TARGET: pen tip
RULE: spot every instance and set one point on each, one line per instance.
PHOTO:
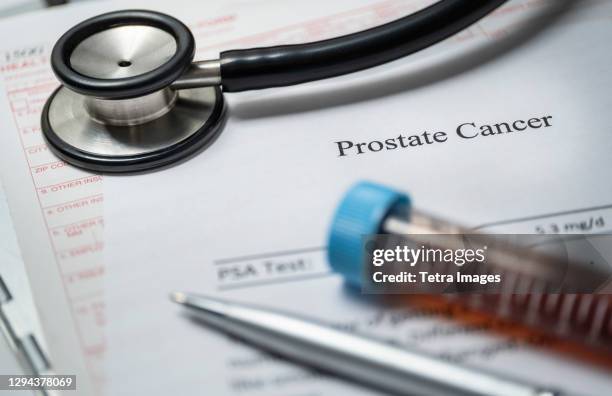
(178, 297)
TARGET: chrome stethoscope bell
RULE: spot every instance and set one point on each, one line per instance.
(117, 110)
(133, 99)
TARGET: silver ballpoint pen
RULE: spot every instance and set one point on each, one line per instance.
(366, 361)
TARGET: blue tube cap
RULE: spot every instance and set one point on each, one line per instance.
(361, 213)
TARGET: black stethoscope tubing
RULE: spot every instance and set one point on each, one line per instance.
(284, 65)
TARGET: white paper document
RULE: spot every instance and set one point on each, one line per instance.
(505, 126)
(56, 209)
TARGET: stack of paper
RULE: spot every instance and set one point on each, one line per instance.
(248, 217)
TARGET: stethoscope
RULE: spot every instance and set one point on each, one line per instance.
(132, 98)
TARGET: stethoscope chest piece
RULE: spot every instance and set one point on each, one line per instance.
(116, 110)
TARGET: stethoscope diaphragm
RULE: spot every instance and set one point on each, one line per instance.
(116, 111)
